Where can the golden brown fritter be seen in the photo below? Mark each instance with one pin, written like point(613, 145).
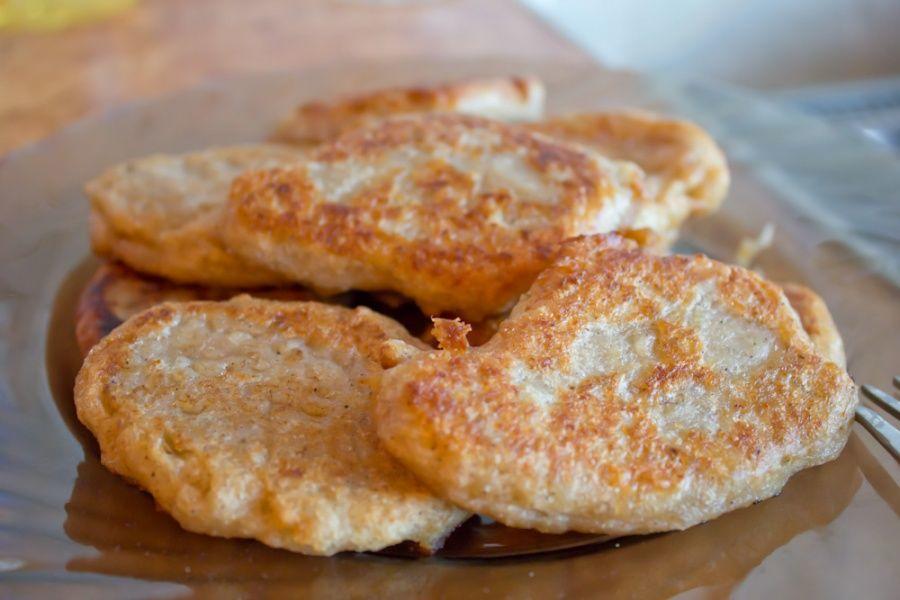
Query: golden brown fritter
point(503, 98)
point(253, 418)
point(626, 393)
point(686, 171)
point(115, 293)
point(817, 321)
point(814, 316)
point(160, 214)
point(458, 213)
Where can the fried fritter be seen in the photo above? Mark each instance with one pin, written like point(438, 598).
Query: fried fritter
point(115, 293)
point(817, 321)
point(626, 393)
point(686, 171)
point(458, 213)
point(253, 418)
point(814, 316)
point(503, 98)
point(159, 214)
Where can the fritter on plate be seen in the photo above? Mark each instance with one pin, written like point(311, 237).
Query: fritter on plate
point(457, 213)
point(626, 393)
point(160, 214)
point(503, 98)
point(686, 171)
point(253, 418)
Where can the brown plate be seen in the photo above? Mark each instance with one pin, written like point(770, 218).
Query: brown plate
point(70, 528)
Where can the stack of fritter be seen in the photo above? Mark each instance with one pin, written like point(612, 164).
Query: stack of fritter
point(624, 391)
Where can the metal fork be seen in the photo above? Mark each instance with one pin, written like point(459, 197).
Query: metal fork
point(886, 434)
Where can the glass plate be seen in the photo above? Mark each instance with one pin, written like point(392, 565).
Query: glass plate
point(68, 527)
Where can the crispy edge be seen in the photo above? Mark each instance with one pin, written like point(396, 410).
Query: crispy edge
point(94, 318)
point(450, 334)
point(191, 258)
point(191, 253)
point(698, 163)
point(817, 321)
point(96, 314)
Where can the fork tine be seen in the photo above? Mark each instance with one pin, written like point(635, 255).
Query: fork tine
point(897, 381)
point(886, 434)
point(885, 401)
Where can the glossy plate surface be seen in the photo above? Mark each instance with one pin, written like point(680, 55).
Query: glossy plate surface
point(70, 528)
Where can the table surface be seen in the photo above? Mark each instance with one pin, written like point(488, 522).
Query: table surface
point(49, 79)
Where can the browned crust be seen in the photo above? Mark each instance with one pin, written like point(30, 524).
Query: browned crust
point(817, 321)
point(160, 214)
point(115, 293)
point(194, 437)
point(319, 121)
point(460, 262)
point(683, 158)
point(589, 459)
point(93, 317)
point(451, 334)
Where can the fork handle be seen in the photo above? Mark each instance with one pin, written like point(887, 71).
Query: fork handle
point(888, 403)
point(886, 434)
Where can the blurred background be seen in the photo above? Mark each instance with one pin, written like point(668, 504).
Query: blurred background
point(64, 59)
